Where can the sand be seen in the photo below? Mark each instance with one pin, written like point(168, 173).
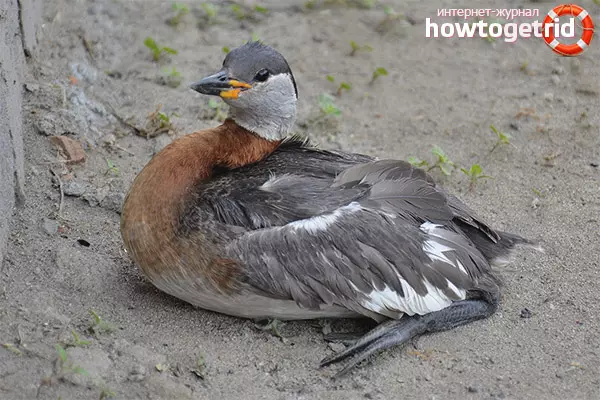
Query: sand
point(92, 77)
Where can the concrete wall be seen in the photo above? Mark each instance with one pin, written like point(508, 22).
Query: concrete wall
point(19, 20)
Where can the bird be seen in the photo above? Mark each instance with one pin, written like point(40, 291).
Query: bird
point(250, 220)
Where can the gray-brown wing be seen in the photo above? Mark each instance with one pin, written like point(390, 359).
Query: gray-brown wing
point(363, 259)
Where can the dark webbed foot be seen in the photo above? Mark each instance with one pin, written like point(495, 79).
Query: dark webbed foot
point(398, 332)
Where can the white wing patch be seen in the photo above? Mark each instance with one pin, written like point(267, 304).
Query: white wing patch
point(322, 222)
point(386, 300)
point(411, 303)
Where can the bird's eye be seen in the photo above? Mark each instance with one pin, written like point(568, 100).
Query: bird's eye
point(262, 75)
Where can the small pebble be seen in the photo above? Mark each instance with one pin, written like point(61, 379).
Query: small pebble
point(472, 389)
point(555, 79)
point(74, 188)
point(109, 139)
point(558, 70)
point(526, 313)
point(337, 347)
point(548, 96)
point(50, 226)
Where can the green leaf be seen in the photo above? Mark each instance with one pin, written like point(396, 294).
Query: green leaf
point(62, 353)
point(476, 170)
point(151, 44)
point(381, 71)
point(330, 78)
point(415, 162)
point(169, 50)
point(354, 45)
point(261, 9)
point(445, 170)
point(226, 49)
point(345, 85)
point(79, 370)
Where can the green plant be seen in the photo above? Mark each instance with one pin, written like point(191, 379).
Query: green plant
point(378, 72)
point(226, 49)
point(99, 325)
point(159, 122)
point(200, 369)
point(12, 348)
point(356, 48)
point(181, 10)
point(261, 9)
point(503, 138)
point(475, 174)
point(112, 168)
point(341, 87)
point(274, 327)
point(157, 51)
point(442, 161)
point(418, 163)
point(217, 105)
point(77, 341)
point(210, 10)
point(65, 365)
point(171, 77)
point(327, 106)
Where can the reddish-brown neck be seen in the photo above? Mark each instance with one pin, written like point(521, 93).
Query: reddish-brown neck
point(160, 193)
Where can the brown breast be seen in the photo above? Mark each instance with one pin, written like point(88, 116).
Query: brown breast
point(161, 193)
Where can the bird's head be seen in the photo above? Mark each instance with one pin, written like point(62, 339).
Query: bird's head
point(258, 84)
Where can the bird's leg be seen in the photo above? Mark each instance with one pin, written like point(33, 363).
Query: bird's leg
point(397, 332)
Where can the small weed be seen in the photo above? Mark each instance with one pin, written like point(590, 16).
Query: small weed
point(107, 393)
point(503, 138)
point(261, 9)
point(12, 348)
point(157, 51)
point(475, 174)
point(238, 11)
point(219, 113)
point(378, 72)
point(549, 159)
point(538, 193)
point(99, 325)
point(342, 86)
point(65, 365)
point(442, 161)
point(242, 12)
point(159, 122)
point(77, 341)
point(357, 48)
point(162, 367)
point(418, 163)
point(274, 327)
point(389, 20)
point(200, 369)
point(181, 10)
point(327, 106)
point(225, 49)
point(211, 11)
point(112, 168)
point(170, 77)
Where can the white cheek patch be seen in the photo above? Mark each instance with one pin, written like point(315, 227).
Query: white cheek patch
point(268, 108)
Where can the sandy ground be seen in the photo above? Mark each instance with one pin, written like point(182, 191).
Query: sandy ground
point(92, 70)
